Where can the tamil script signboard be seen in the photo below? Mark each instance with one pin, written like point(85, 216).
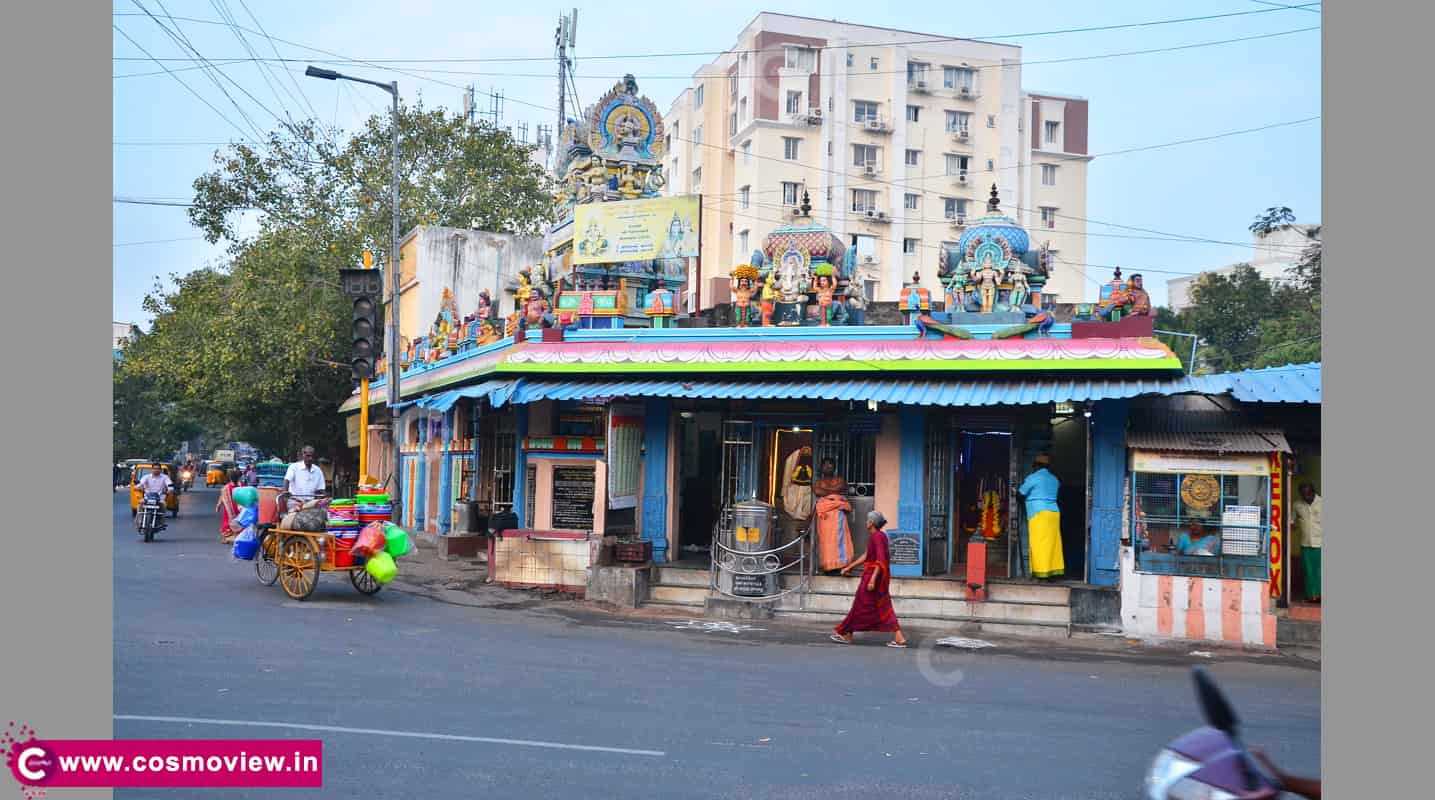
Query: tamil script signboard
point(636, 230)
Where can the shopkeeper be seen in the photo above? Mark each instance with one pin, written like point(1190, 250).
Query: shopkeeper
point(303, 481)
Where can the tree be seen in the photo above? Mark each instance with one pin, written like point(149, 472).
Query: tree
point(259, 346)
point(147, 422)
point(1274, 218)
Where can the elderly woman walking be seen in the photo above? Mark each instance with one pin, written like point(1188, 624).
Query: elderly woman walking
point(872, 605)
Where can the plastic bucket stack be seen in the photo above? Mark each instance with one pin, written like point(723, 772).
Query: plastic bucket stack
point(372, 505)
point(343, 524)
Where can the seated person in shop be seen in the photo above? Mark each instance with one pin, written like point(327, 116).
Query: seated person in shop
point(1197, 541)
point(834, 530)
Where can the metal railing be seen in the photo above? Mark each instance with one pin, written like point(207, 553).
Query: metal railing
point(761, 563)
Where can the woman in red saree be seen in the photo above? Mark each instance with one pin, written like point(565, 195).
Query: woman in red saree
point(872, 606)
point(228, 510)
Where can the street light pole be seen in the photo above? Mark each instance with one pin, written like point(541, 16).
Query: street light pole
point(392, 355)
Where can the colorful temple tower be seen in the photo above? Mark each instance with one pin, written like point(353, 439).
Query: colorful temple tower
point(992, 271)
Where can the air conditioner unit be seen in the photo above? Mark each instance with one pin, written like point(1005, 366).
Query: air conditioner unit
point(816, 112)
point(876, 125)
point(962, 177)
point(881, 215)
point(920, 86)
point(965, 91)
point(960, 221)
point(870, 169)
point(869, 260)
point(871, 213)
point(963, 135)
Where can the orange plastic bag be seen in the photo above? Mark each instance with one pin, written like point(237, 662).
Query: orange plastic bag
point(371, 540)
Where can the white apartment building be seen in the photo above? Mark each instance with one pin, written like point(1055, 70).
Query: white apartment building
point(1272, 256)
point(897, 136)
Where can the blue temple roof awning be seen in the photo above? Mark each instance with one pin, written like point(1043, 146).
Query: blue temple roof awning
point(1299, 384)
point(498, 393)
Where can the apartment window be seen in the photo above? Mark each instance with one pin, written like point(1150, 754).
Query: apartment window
point(957, 78)
point(698, 135)
point(829, 148)
point(745, 196)
point(698, 97)
point(804, 58)
point(953, 207)
point(916, 71)
point(789, 193)
point(732, 124)
point(742, 237)
point(732, 85)
point(789, 147)
point(668, 142)
point(794, 102)
point(864, 200)
point(874, 64)
point(747, 152)
point(991, 165)
point(914, 113)
point(1052, 129)
point(909, 246)
point(958, 121)
point(912, 157)
point(1048, 217)
point(849, 59)
point(909, 201)
point(957, 164)
point(697, 177)
point(742, 109)
point(1048, 175)
point(864, 155)
point(864, 111)
point(991, 120)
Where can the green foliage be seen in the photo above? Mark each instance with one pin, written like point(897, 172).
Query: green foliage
point(258, 347)
point(1244, 321)
point(147, 421)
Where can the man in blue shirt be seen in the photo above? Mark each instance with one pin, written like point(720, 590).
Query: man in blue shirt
point(1043, 519)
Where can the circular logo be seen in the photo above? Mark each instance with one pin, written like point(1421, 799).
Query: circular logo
point(33, 763)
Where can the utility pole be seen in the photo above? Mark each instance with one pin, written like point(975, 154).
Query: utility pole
point(564, 38)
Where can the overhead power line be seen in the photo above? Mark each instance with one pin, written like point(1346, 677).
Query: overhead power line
point(852, 45)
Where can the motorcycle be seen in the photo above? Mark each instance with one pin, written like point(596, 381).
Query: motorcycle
point(1212, 763)
point(186, 480)
point(150, 518)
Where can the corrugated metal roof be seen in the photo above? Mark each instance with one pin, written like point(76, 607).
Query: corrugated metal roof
point(1293, 383)
point(1247, 441)
point(943, 393)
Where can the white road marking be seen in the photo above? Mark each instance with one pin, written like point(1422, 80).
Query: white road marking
point(447, 737)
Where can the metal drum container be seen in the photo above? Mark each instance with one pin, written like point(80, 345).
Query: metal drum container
point(751, 532)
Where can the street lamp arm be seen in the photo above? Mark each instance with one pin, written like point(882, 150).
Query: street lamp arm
point(331, 75)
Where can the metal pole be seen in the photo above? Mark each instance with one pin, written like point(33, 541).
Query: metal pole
point(393, 358)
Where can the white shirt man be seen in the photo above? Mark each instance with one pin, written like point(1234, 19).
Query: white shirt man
point(304, 480)
point(155, 484)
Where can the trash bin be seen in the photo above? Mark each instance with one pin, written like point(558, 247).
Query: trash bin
point(748, 576)
point(462, 518)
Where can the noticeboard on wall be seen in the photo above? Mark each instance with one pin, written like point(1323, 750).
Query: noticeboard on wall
point(904, 549)
point(573, 498)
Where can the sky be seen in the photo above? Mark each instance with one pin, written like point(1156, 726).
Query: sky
point(1164, 212)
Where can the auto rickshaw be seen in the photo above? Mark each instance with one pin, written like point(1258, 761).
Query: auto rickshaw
point(171, 500)
point(217, 473)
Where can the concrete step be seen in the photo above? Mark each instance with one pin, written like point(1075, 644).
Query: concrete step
point(944, 627)
point(1297, 633)
point(937, 608)
point(682, 595)
point(937, 588)
point(679, 576)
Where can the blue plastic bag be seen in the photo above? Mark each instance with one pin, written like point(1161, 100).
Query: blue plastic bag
point(246, 544)
point(247, 516)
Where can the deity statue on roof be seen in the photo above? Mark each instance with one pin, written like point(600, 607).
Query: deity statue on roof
point(743, 283)
point(793, 276)
point(824, 286)
point(1020, 289)
point(986, 279)
point(1140, 299)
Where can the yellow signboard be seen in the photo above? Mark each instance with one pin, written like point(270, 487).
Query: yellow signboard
point(636, 230)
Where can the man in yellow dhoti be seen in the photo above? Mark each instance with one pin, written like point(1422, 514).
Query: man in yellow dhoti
point(1043, 520)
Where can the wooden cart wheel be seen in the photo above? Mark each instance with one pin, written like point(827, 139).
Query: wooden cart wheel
point(364, 582)
point(264, 565)
point(298, 566)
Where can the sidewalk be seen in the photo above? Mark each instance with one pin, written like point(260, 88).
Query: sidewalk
point(463, 582)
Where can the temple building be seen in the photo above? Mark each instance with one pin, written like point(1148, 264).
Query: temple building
point(631, 455)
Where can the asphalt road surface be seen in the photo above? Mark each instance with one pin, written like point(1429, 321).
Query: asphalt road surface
point(418, 698)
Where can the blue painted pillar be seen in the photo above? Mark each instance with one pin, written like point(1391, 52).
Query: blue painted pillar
point(445, 484)
point(1108, 477)
point(910, 505)
point(520, 468)
point(655, 476)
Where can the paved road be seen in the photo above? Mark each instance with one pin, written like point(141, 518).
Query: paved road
point(504, 698)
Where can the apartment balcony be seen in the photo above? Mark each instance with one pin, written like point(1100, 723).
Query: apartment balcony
point(919, 86)
point(811, 117)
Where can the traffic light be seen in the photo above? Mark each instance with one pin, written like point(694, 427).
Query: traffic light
point(364, 287)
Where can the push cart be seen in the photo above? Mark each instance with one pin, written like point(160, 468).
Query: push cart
point(295, 558)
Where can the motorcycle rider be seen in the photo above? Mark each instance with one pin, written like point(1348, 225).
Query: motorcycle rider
point(156, 483)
